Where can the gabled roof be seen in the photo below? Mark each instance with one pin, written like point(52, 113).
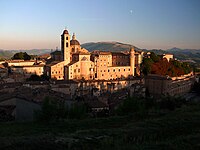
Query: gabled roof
point(53, 63)
point(71, 63)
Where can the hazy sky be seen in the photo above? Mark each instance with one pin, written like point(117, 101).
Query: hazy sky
point(28, 24)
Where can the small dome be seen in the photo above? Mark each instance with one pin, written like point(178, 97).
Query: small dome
point(74, 42)
point(65, 32)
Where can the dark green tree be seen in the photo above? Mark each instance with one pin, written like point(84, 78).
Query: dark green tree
point(22, 56)
point(154, 57)
point(146, 65)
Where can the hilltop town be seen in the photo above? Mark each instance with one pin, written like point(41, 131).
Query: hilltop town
point(100, 79)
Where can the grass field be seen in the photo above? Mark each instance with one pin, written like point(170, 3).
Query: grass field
point(179, 129)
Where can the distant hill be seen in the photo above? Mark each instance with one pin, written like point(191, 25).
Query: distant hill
point(7, 54)
point(186, 54)
point(33, 51)
point(181, 54)
point(107, 46)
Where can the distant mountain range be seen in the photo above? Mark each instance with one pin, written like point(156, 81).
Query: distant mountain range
point(190, 55)
point(181, 54)
point(7, 54)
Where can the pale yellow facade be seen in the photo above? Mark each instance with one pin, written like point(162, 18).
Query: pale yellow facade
point(80, 68)
point(56, 70)
point(29, 70)
point(168, 56)
point(78, 63)
point(20, 62)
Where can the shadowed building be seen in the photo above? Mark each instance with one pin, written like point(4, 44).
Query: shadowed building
point(164, 85)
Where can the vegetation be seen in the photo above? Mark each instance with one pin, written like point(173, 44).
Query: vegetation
point(156, 65)
point(55, 110)
point(35, 77)
point(178, 129)
point(22, 56)
point(142, 107)
point(196, 87)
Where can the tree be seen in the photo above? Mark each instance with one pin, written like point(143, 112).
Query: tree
point(156, 65)
point(146, 65)
point(22, 56)
point(35, 77)
point(55, 110)
point(154, 57)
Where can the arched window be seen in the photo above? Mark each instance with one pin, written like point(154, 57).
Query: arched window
point(67, 44)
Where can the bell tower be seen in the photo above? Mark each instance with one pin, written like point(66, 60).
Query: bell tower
point(65, 46)
point(132, 61)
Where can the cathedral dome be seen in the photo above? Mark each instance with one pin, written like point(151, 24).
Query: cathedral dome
point(74, 42)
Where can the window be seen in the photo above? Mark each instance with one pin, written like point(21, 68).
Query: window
point(102, 75)
point(119, 70)
point(124, 69)
point(74, 70)
point(108, 70)
point(113, 70)
point(67, 38)
point(78, 70)
point(67, 44)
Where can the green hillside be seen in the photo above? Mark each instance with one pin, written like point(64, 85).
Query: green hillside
point(179, 129)
point(5, 54)
point(107, 46)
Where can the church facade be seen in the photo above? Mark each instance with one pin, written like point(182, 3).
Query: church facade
point(74, 62)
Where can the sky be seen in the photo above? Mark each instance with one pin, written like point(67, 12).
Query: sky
point(161, 24)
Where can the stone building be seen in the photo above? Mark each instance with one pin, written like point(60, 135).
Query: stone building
point(74, 62)
point(168, 56)
point(28, 70)
point(164, 85)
